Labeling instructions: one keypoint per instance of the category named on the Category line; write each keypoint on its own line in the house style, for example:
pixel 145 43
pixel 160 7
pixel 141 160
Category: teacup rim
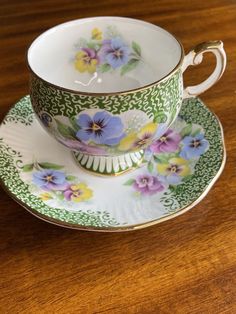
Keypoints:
pixel 129 91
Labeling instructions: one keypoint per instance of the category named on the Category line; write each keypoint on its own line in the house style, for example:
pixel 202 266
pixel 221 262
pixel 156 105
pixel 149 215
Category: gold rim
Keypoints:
pixel 176 68
pixel 127 227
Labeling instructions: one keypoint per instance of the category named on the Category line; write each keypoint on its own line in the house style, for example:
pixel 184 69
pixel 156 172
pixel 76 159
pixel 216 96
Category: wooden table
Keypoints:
pixel 185 265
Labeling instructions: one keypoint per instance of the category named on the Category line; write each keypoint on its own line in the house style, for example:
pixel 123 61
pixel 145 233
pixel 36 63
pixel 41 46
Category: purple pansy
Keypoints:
pixel 91 54
pixel 114 52
pixel 50 179
pixel 102 128
pixel 146 184
pixel 167 143
pixel 68 193
pixel 194 146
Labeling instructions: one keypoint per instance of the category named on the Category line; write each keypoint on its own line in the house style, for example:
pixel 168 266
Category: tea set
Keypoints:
pixel 109 139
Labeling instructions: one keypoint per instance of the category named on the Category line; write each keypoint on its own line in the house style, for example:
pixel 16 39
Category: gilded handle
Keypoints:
pixel 195 57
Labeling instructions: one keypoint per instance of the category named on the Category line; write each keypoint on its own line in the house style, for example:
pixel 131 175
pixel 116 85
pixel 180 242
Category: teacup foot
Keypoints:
pixel 109 165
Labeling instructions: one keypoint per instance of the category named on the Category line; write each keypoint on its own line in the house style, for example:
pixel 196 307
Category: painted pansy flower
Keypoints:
pixel 96 34
pixel 106 52
pixel 45 196
pixel 78 193
pixel 168 142
pixel 102 128
pixel 114 52
pixel 147 184
pixel 174 170
pixel 86 60
pixel 194 146
pixel 50 179
pixel 140 140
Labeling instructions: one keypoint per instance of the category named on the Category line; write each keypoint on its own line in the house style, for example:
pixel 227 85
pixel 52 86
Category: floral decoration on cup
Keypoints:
pixel 102 133
pixel 104 52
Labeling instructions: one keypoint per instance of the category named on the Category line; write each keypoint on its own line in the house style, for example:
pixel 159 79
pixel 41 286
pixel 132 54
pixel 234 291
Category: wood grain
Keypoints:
pixel 185 265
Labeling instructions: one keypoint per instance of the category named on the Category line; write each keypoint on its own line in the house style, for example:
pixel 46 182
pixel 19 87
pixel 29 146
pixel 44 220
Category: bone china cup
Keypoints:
pixel 108 87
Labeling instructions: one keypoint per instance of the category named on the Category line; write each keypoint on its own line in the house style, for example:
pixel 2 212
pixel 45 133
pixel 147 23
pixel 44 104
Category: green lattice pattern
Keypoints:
pixel 194 111
pixel 158 102
pixel 22 112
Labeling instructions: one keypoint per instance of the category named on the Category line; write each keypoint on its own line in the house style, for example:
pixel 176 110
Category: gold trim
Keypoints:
pixel 176 68
pixel 207 45
pixel 211 46
pixel 127 227
pixel 195 57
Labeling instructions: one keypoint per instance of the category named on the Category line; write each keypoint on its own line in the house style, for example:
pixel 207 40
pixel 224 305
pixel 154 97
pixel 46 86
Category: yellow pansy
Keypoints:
pixel 140 140
pixel 80 192
pixel 96 34
pixel 127 141
pixel 176 165
pixel 45 196
pixel 149 128
pixel 86 60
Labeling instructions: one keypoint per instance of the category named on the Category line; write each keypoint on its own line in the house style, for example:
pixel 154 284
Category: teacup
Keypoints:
pixel 108 87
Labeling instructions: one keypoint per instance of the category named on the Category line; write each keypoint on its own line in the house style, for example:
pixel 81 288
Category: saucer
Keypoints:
pixel 178 171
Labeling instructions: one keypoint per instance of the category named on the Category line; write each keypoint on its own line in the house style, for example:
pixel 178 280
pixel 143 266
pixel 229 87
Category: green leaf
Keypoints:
pixel 74 124
pixel 60 196
pixel 28 167
pixel 172 155
pixel 186 130
pixel 160 159
pixel 133 54
pixel 136 48
pixel 48 165
pixel 196 132
pixel 129 182
pixel 150 167
pixel 72 132
pixel 104 67
pixel 156 119
pixel 70 178
pixel 91 45
pixel 65 130
pixel 129 66
pixel 173 188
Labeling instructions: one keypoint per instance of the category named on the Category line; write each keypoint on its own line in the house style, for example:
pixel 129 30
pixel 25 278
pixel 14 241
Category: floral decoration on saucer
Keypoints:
pixel 177 172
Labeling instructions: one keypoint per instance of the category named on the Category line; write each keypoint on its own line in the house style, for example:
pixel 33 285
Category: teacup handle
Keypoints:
pixel 195 57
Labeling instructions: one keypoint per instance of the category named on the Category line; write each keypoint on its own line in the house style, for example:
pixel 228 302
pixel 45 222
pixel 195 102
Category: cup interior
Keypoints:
pixel 104 55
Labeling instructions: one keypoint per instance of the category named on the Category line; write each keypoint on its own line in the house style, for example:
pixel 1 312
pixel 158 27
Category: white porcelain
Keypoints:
pixel 108 87
pixel 177 172
pixel 52 54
